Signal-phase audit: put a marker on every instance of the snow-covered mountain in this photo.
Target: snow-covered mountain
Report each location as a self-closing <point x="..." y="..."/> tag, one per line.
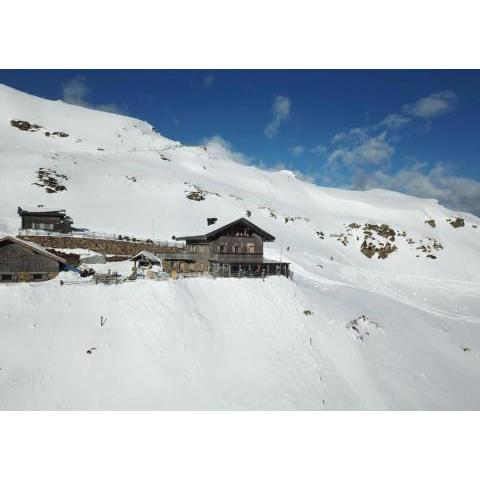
<point x="383" y="311"/>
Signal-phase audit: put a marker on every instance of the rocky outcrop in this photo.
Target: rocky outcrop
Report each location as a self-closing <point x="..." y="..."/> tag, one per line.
<point x="51" y="180"/>
<point x="382" y="250"/>
<point x="457" y="222"/>
<point x="25" y="126"/>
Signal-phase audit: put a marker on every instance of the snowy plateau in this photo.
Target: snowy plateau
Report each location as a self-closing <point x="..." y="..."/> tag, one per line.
<point x="382" y="313"/>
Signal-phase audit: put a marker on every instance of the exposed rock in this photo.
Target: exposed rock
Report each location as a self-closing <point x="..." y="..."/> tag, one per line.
<point x="382" y="250"/>
<point x="292" y="219"/>
<point x="362" y="326"/>
<point x="383" y="230"/>
<point x="457" y="223"/>
<point x="432" y="244"/>
<point x="51" y="180"/>
<point x="25" y="126"/>
<point x="197" y="196"/>
<point x="320" y="235"/>
<point x="270" y="211"/>
<point x="431" y="222"/>
<point x="307" y="312"/>
<point x="341" y="237"/>
<point x="433" y="257"/>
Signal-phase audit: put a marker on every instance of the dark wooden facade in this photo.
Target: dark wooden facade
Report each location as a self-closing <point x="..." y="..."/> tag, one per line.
<point x="52" y="220"/>
<point x="22" y="261"/>
<point x="234" y="249"/>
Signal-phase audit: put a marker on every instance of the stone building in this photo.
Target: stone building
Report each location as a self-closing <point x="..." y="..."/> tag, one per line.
<point x="22" y="261"/>
<point x="236" y="249"/>
<point x="44" y="219"/>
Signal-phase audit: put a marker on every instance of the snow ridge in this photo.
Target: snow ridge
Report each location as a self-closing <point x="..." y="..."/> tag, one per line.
<point x="362" y="265"/>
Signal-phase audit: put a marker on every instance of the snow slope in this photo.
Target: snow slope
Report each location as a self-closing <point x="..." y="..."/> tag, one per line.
<point x="349" y="332"/>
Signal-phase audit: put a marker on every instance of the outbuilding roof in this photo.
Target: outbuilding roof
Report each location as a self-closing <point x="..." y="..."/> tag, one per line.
<point x="147" y="256"/>
<point x="220" y="231"/>
<point x="33" y="247"/>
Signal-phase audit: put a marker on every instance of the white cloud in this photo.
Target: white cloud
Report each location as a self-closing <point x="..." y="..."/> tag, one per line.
<point x="394" y="121"/>
<point x="432" y="106"/>
<point x="218" y="146"/>
<point x="280" y="112"/>
<point x="457" y="192"/>
<point x="338" y="137"/>
<point x="319" y="149"/>
<point x="75" y="92"/>
<point x="368" y="151"/>
<point x="208" y="80"/>
<point x="297" y="150"/>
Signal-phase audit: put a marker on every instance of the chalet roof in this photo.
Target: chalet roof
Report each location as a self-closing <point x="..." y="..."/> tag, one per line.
<point x="220" y="231"/>
<point x="33" y="247"/>
<point x="147" y="256"/>
<point x="43" y="212"/>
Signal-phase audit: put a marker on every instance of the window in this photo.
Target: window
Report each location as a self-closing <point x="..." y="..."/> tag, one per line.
<point x="6" y="277"/>
<point x="251" y="248"/>
<point x="236" y="249"/>
<point x="37" y="276"/>
<point x="222" y="248"/>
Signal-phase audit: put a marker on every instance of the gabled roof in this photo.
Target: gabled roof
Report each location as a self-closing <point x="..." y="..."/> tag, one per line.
<point x="147" y="255"/>
<point x="220" y="231"/>
<point x="43" y="212"/>
<point x="33" y="247"/>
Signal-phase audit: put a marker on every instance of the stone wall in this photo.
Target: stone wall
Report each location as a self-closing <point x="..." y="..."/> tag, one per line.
<point x="107" y="247"/>
<point x="17" y="258"/>
<point x="28" y="276"/>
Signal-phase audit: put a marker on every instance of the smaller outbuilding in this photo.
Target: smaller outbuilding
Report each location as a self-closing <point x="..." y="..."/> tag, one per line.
<point x="22" y="261"/>
<point x="41" y="218"/>
<point x="146" y="259"/>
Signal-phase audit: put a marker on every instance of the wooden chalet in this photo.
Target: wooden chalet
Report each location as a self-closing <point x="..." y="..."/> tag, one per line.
<point x="22" y="261"/>
<point x="44" y="219"/>
<point x="236" y="249"/>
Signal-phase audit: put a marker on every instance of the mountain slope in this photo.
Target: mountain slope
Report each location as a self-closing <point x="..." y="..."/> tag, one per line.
<point x="351" y="331"/>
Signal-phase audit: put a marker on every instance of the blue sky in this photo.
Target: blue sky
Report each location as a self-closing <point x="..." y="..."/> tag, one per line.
<point x="409" y="130"/>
